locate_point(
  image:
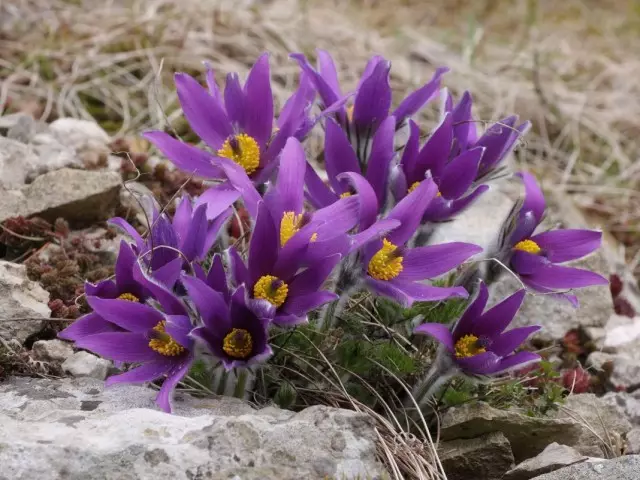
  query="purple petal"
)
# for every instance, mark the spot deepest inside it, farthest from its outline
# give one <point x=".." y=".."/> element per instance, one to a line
<point x="406" y="293"/>
<point x="206" y="116"/>
<point x="518" y="360"/>
<point x="389" y="290"/>
<point x="127" y="228"/>
<point x="145" y="373"/>
<point x="121" y="346"/>
<point x="326" y="92"/>
<point x="367" y="198"/>
<point x="263" y="248"/>
<point x="338" y="154"/>
<point x="525" y="263"/>
<point x="182" y="217"/>
<point x="290" y="186"/>
<point x="89" y="324"/>
<point x="168" y="274"/>
<point x="419" y="98"/>
<point x="179" y="327"/>
<point x="565" y="245"/>
<point x="337" y="218"/>
<point x="312" y="278"/>
<point x="435" y="153"/>
<point x="258" y="114"/>
<point x="174" y="376"/>
<point x="556" y="277"/>
<point x="525" y="225"/>
<point x="218" y="198"/>
<point x="465" y="130"/>
<point x="432" y="261"/>
<point x="458" y="176"/>
<point x="409" y="156"/>
<point x="410" y="210"/>
<point x="104" y="289"/>
<point x="438" y="331"/>
<point x="328" y="71"/>
<point x="194" y="238"/>
<point x="497" y="140"/>
<point x="534" y="198"/>
<point x="481" y="364"/>
<point x="374" y="232"/>
<point x="465" y="324"/>
<point x="210" y="304"/>
<point x="495" y="320"/>
<point x="132" y="316"/>
<point x="217" y="278"/>
<point x="213" y="231"/>
<point x="445" y="210"/>
<point x="382" y="152"/>
<point x="160" y="287"/>
<point x="373" y="100"/>
<point x="239" y="270"/>
<point x="210" y="78"/>
<point x="241" y="182"/>
<point x="234" y="100"/>
<point x="300" y="305"/>
<point x="319" y="194"/>
<point x="184" y="156"/>
<point x="507" y="342"/>
<point x="398" y="182"/>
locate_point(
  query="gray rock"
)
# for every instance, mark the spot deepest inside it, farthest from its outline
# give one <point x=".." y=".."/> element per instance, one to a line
<point x="52" y="350"/>
<point x="23" y="303"/>
<point x="79" y="133"/>
<point x="84" y="364"/>
<point x="16" y="159"/>
<point x="23" y="129"/>
<point x="623" y="468"/>
<point x="77" y="195"/>
<point x="528" y="435"/>
<point x="633" y="441"/>
<point x="627" y="404"/>
<point x="625" y="366"/>
<point x="73" y="428"/>
<point x="552" y="458"/>
<point x="483" y="458"/>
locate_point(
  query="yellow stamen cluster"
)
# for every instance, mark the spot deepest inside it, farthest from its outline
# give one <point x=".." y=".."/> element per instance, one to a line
<point x="163" y="343"/>
<point x="386" y="264"/>
<point x="238" y="343"/>
<point x="345" y="194"/>
<point x="528" y="246"/>
<point x="468" y="346"/>
<point x="271" y="289"/>
<point x="129" y="297"/>
<point x="350" y="113"/>
<point x="290" y="225"/>
<point x="414" y="185"/>
<point x="242" y="149"/>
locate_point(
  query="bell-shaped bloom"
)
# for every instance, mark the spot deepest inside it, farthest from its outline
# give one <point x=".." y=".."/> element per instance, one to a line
<point x="536" y="258"/>
<point x="479" y="344"/>
<point x="372" y="102"/>
<point x="124" y="286"/>
<point x="237" y="124"/>
<point x="454" y="177"/>
<point x="189" y="235"/>
<point x="235" y="330"/>
<point x="497" y="141"/>
<point x="159" y="343"/>
<point x="392" y="269"/>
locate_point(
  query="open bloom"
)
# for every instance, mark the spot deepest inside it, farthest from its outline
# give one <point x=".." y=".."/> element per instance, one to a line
<point x="372" y="102"/>
<point x="189" y="235"/>
<point x="536" y="257"/>
<point x="237" y="125"/>
<point x="388" y="266"/>
<point x="454" y="177"/>
<point x="235" y="330"/>
<point x="479" y="344"/>
<point x="158" y="342"/>
<point x="124" y="286"/>
<point x="497" y="141"/>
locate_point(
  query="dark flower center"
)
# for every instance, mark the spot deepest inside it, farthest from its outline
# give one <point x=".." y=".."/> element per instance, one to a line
<point x="238" y="343"/>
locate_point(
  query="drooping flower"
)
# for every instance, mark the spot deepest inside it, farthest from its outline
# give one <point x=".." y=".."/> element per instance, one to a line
<point x="497" y="141"/>
<point x="235" y="330"/>
<point x="189" y="235"/>
<point x="537" y="258"/>
<point x="388" y="266"/>
<point x="124" y="286"/>
<point x="454" y="177"/>
<point x="372" y="102"/>
<point x="479" y="344"/>
<point x="159" y="343"/>
<point x="238" y="125"/>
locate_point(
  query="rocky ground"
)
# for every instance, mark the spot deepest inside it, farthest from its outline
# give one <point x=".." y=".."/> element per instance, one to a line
<point x="60" y="182"/>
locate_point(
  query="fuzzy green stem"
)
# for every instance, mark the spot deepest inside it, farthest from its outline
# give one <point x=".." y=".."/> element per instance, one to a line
<point x="241" y="383"/>
<point x="440" y="372"/>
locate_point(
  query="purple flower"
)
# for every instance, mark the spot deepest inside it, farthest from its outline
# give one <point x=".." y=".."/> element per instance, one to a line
<point x="389" y="267"/>
<point x="234" y="329"/>
<point x="479" y="344"/>
<point x="236" y="125"/>
<point x="497" y="141"/>
<point x="454" y="177"/>
<point x="535" y="257"/>
<point x="124" y="286"/>
<point x="190" y="235"/>
<point x="372" y="100"/>
<point x="157" y="341"/>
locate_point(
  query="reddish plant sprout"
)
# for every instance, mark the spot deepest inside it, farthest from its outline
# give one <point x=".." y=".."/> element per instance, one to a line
<point x="576" y="380"/>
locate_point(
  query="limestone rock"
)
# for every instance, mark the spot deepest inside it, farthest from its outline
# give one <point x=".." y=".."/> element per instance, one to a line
<point x="73" y="428"/>
<point x="23" y="303"/>
<point x="16" y="159"/>
<point x="625" y="366"/>
<point x="79" y="134"/>
<point x="623" y="468"/>
<point x="85" y="364"/>
<point x="633" y="441"/>
<point x="628" y="404"/>
<point x="552" y="458"/>
<point x="483" y="458"/>
<point x="77" y="195"/>
<point x="52" y="350"/>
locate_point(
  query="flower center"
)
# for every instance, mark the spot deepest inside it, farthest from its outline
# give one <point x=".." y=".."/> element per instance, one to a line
<point x="350" y="113"/>
<point x="129" y="297"/>
<point x="243" y="150"/>
<point x="163" y="343"/>
<point x="345" y="194"/>
<point x="528" y="246"/>
<point x="386" y="264"/>
<point x="291" y="224"/>
<point x="414" y="185"/>
<point x="271" y="289"/>
<point x="238" y="343"/>
<point x="468" y="346"/>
